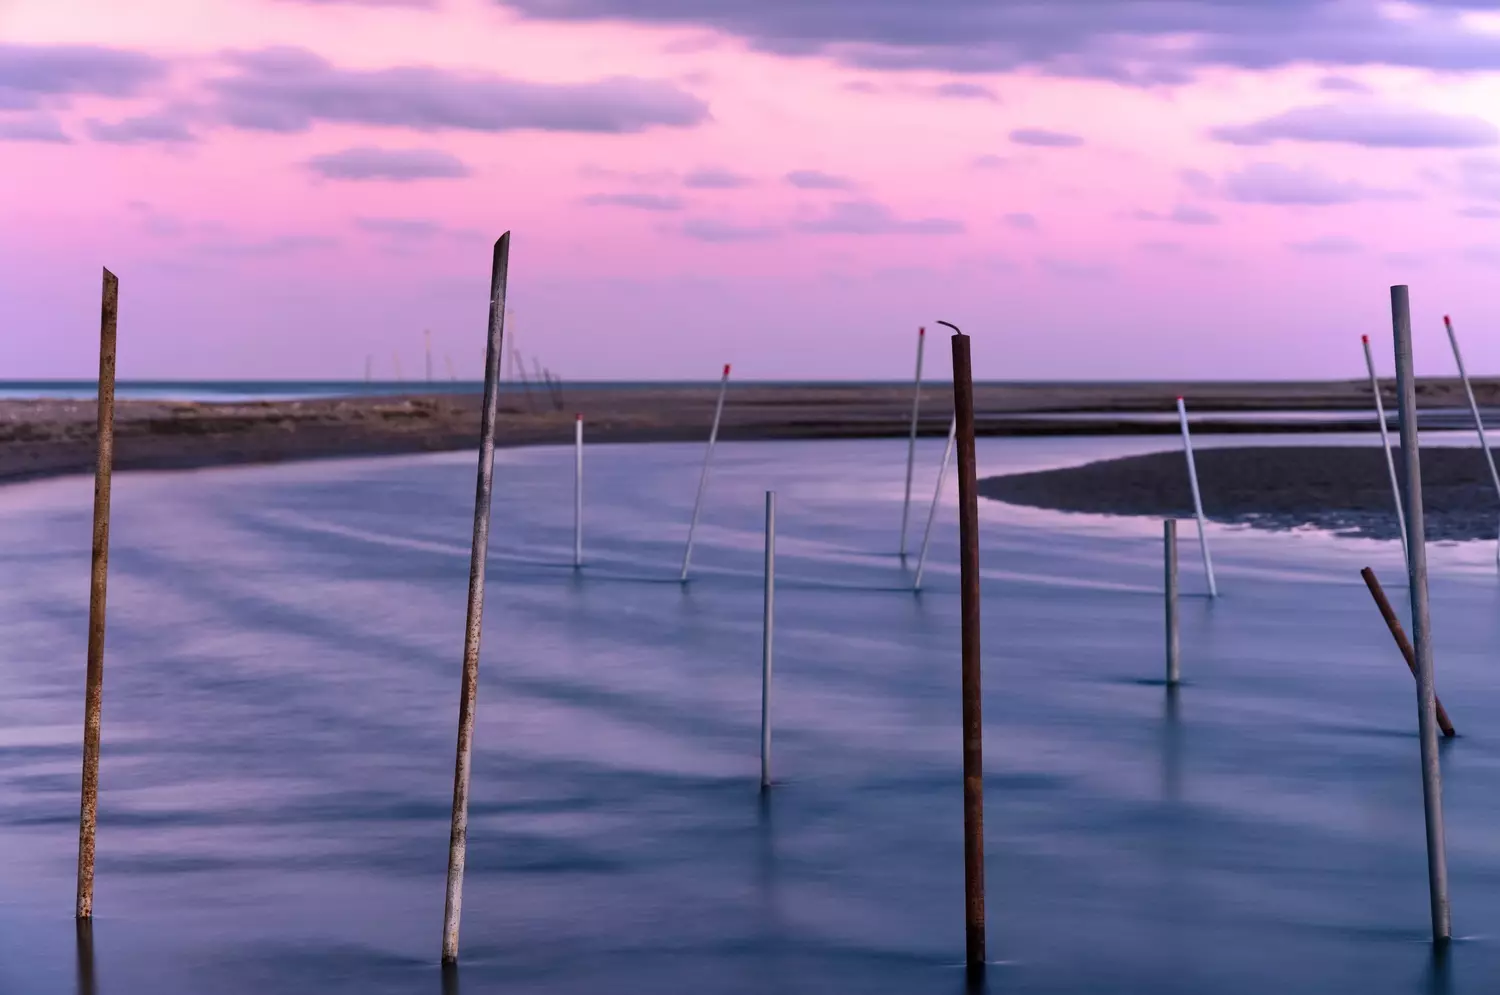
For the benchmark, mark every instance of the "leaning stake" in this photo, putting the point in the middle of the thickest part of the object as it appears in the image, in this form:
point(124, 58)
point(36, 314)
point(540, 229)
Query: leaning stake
point(973, 731)
point(1432, 777)
point(1403, 644)
point(93, 699)
point(911, 445)
point(916, 584)
point(1484, 445)
point(1192, 467)
point(1385, 444)
point(458, 837)
point(708, 457)
point(767, 626)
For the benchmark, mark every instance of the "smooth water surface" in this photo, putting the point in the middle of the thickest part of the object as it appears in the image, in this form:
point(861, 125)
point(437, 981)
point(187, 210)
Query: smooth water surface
point(280, 704)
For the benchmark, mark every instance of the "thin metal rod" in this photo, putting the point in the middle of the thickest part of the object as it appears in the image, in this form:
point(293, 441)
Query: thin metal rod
point(1393, 623)
point(1192, 467)
point(911, 445)
point(459, 836)
point(1385, 444)
point(765, 646)
point(1432, 776)
point(1174, 639)
point(93, 697)
point(973, 725)
point(427, 345)
point(1484, 445)
point(916, 584)
point(448, 362)
point(396, 364)
point(708, 458)
point(578, 491)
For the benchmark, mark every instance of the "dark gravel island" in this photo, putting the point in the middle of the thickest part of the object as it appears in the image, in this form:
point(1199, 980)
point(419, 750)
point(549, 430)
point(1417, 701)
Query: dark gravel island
point(1343, 489)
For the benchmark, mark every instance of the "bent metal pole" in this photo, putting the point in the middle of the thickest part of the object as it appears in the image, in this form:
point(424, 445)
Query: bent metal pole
point(1385, 445)
point(1421, 622)
point(1484, 445)
point(459, 834)
point(911, 445)
point(1192, 468)
point(708, 458)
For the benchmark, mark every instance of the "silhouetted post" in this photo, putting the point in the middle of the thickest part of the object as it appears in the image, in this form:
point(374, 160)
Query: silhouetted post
point(968, 541)
point(765, 645)
point(708, 458)
point(916, 584)
point(1432, 776)
point(1385, 445)
point(578, 491)
point(1174, 640)
point(1484, 445)
point(459, 835)
point(911, 446)
point(1399, 634)
point(93, 696)
point(1192, 467)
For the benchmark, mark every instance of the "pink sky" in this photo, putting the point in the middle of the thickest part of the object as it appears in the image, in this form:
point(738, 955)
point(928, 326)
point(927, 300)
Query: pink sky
point(1200, 189)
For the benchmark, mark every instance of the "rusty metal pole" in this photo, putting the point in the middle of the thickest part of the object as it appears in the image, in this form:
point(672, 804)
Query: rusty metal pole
point(1432, 775)
point(1402, 643)
point(973, 725)
point(459, 835)
point(98, 580)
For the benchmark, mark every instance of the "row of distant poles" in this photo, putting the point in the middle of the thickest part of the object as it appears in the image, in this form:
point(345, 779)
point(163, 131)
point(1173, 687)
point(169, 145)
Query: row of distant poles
point(512, 364)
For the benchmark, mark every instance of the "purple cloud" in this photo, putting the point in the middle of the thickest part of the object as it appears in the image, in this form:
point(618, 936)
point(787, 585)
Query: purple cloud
point(1327, 245)
point(709, 230)
point(31, 72)
point(167, 127)
point(1274, 183)
point(865, 217)
point(1365, 124)
point(1021, 220)
point(1043, 138)
point(397, 165)
point(812, 179)
point(714, 178)
point(639, 201)
point(33, 128)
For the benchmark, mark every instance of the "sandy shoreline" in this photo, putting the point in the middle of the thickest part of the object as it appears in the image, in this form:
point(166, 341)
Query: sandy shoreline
point(49, 437)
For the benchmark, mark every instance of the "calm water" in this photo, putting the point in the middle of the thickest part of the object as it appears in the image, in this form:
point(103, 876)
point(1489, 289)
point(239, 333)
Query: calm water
point(279, 719)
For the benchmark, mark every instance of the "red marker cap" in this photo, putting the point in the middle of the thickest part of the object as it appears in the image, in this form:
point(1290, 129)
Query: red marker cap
point(726, 369)
point(580, 417)
point(1446, 321)
point(1365, 339)
point(921, 332)
point(1179, 397)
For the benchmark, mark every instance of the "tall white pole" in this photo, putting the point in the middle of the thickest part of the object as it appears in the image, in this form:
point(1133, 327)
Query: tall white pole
point(911, 446)
point(1421, 624)
point(708, 456)
point(1187, 448)
point(1385, 444)
point(1484, 445)
point(936, 494)
point(765, 647)
point(578, 491)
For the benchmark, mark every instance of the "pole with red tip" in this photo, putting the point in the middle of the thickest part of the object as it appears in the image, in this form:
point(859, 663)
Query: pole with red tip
point(578, 492)
point(1385, 445)
point(1484, 445)
point(708, 456)
point(1192, 467)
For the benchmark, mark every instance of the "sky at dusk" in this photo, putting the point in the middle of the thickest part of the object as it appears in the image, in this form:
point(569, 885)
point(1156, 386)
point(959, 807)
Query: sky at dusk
point(1090, 188)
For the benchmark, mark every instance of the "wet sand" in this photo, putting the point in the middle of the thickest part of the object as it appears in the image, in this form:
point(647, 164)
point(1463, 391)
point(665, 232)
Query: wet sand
point(1344, 489)
point(50, 437)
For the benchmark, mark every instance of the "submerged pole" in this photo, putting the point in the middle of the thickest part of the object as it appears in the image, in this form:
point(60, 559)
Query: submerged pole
point(1484, 445)
point(708, 457)
point(1393, 623)
point(1432, 776)
point(937, 493)
point(769, 619)
point(1385, 445)
point(911, 445)
point(578, 491)
point(973, 725)
point(1174, 640)
point(1192, 468)
point(93, 696)
point(459, 834)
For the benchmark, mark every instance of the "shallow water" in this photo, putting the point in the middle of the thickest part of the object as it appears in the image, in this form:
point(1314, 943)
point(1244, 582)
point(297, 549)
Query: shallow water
point(280, 698)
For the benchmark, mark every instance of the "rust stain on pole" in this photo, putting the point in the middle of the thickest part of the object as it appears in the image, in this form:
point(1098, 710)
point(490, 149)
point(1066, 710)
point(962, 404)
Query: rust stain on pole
point(1402, 643)
point(94, 693)
point(973, 725)
point(458, 837)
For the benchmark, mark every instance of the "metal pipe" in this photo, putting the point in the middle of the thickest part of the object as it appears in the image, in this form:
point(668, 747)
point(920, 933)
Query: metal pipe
point(1484, 445)
point(765, 646)
point(932, 511)
point(1187, 448)
point(459, 834)
point(1393, 623)
point(973, 725)
point(1174, 640)
point(1385, 444)
point(911, 445)
point(708, 456)
point(1432, 776)
point(93, 697)
point(578, 491)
